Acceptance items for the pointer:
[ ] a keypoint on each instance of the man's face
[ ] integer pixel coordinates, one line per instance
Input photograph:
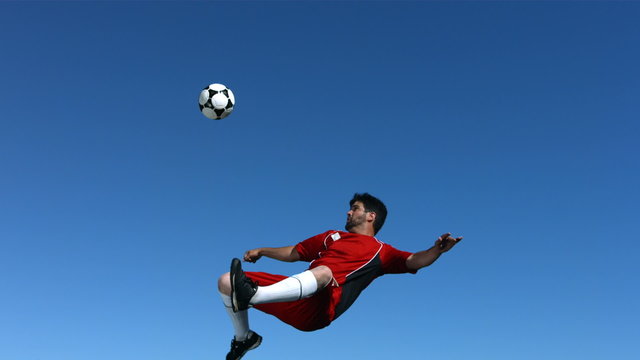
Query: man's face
(356, 216)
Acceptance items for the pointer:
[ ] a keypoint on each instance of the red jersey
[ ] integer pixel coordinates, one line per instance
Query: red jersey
(355, 261)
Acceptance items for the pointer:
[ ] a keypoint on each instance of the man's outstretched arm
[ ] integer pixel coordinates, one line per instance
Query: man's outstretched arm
(425, 258)
(286, 253)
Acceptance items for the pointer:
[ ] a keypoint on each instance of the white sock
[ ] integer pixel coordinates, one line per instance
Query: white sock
(239, 320)
(292, 288)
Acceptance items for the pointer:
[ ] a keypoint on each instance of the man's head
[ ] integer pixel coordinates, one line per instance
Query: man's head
(365, 210)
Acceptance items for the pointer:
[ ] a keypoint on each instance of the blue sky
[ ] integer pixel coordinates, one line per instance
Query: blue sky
(513, 124)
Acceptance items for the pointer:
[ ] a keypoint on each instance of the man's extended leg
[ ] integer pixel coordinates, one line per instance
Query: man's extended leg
(245, 292)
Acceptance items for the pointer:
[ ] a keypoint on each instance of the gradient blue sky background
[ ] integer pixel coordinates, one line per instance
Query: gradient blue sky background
(513, 124)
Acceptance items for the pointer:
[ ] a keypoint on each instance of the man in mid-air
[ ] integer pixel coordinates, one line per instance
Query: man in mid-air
(342, 265)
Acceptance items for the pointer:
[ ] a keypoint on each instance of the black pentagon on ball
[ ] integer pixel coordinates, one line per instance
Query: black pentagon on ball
(218, 112)
(212, 92)
(229, 104)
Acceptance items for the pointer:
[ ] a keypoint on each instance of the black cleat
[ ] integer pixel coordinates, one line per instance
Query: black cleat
(239, 348)
(242, 288)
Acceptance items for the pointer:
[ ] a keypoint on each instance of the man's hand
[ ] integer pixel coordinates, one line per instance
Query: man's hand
(445, 242)
(286, 253)
(252, 255)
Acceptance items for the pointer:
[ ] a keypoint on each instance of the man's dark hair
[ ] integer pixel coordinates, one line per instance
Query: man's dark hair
(372, 204)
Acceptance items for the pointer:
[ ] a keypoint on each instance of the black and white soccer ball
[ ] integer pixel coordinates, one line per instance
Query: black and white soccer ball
(216, 101)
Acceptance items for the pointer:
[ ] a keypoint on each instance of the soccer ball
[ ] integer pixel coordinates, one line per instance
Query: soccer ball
(216, 101)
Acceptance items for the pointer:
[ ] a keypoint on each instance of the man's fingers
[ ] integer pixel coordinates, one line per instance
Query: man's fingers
(444, 236)
(446, 241)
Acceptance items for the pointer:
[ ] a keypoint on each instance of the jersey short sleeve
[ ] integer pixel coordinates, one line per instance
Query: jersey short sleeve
(310, 248)
(394, 261)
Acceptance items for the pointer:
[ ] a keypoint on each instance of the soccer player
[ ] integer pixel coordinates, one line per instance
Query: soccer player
(342, 265)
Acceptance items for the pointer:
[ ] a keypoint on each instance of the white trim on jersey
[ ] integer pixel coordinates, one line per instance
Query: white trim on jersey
(330, 236)
(365, 264)
(324, 242)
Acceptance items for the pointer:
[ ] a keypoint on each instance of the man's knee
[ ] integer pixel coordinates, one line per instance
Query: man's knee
(224, 284)
(323, 275)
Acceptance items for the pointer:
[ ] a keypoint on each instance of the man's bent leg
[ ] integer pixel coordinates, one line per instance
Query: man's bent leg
(239, 319)
(244, 339)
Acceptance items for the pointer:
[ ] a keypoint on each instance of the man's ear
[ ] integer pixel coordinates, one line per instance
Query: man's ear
(371, 216)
